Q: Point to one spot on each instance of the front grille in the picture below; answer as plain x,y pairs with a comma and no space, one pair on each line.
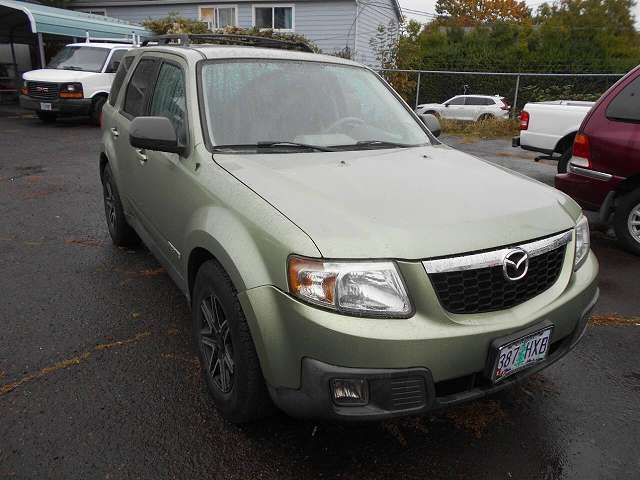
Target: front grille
43,90
408,392
486,289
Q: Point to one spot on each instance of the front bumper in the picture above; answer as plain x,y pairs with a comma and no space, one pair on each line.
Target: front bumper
399,392
62,106
448,351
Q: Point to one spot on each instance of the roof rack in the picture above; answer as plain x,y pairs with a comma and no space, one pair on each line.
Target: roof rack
226,39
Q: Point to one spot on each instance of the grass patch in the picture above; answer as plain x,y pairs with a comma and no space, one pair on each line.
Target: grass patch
490,128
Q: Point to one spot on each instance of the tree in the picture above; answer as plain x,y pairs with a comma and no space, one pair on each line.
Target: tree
466,13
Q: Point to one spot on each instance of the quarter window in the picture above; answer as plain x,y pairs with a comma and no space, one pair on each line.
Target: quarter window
219,17
142,79
169,99
275,17
626,105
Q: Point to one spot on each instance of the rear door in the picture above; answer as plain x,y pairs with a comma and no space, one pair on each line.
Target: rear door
474,107
614,131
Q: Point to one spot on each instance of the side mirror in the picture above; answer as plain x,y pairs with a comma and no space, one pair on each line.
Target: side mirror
154,133
432,123
113,67
446,105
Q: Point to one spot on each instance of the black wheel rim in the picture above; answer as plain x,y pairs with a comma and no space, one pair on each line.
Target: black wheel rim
215,344
110,205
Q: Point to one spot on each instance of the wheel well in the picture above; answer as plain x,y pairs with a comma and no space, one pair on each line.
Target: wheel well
197,257
566,141
103,163
629,184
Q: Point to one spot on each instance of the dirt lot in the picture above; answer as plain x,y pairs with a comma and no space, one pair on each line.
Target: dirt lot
98,378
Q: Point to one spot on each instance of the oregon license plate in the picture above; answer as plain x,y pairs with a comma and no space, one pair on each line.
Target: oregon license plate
45,106
521,353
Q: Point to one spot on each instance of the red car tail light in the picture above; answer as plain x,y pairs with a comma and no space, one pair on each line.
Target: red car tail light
524,120
581,151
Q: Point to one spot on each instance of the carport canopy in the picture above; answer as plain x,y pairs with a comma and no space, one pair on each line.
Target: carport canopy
20,21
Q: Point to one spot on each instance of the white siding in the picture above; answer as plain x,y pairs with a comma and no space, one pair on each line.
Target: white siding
370,17
330,24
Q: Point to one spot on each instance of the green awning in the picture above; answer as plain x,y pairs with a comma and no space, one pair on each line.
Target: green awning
19,21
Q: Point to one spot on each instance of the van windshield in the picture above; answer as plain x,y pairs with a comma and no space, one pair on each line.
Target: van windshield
288,105
85,59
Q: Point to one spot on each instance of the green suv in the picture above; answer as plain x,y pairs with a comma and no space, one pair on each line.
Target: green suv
340,262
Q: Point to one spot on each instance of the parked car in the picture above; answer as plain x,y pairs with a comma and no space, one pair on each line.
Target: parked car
76,81
339,260
468,107
604,172
550,127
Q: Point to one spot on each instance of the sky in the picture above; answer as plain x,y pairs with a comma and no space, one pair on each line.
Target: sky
429,7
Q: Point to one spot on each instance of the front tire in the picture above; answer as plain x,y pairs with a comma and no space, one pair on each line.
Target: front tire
626,221
228,358
121,232
47,117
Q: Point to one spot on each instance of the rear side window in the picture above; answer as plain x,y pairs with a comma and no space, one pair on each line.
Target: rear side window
140,83
625,106
119,78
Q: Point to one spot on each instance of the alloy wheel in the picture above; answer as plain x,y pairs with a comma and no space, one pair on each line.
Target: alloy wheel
633,223
215,344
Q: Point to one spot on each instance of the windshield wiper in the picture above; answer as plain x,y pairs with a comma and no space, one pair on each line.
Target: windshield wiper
71,68
379,143
268,145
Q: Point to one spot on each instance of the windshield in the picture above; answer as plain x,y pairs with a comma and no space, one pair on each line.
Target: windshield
86,59
289,105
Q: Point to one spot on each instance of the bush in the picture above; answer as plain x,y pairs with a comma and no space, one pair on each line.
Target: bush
490,128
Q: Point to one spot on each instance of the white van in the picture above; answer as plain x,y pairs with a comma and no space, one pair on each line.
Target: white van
76,81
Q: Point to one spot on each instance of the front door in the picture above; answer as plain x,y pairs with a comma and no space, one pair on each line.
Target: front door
454,109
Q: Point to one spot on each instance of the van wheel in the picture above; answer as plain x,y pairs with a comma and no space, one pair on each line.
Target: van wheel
563,161
121,232
96,110
626,221
228,359
47,117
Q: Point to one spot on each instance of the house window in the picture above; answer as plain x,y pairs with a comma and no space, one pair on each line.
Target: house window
275,17
95,11
219,16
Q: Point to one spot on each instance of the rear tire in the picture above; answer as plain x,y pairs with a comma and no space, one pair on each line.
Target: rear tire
563,161
96,110
485,116
626,221
121,232
228,359
47,117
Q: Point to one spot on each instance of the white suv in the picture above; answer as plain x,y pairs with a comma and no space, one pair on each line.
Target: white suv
77,81
468,107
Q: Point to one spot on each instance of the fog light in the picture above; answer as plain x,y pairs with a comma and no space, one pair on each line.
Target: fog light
350,391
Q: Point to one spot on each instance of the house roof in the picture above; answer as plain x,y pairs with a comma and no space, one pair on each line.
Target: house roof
20,20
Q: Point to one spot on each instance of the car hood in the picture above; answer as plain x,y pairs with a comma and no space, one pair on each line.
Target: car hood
403,203
57,76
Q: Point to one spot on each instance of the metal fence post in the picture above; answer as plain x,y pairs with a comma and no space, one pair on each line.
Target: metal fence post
515,97
418,90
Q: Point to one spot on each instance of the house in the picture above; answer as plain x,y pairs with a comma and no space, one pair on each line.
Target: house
334,25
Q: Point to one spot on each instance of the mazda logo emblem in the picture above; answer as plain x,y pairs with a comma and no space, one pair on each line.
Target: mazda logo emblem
515,264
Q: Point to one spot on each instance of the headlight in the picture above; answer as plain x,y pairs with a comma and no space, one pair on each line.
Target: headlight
583,242
360,288
71,90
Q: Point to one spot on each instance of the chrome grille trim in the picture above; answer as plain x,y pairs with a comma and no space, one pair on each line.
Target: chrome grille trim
495,258
43,90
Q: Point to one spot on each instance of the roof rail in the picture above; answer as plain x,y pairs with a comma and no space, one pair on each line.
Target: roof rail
226,39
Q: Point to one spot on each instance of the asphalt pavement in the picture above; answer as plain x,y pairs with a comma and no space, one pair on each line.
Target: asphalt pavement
98,378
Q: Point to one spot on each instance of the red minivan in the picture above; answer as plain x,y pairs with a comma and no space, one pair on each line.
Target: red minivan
604,171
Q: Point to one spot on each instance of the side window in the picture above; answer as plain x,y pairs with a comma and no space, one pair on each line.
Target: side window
456,101
139,85
169,99
114,63
626,105
474,101
119,78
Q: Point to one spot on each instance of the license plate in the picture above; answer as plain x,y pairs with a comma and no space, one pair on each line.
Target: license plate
521,353
45,106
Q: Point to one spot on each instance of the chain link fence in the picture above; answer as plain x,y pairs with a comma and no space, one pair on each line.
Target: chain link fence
437,86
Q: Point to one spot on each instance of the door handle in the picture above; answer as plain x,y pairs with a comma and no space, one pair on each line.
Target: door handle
114,132
141,155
